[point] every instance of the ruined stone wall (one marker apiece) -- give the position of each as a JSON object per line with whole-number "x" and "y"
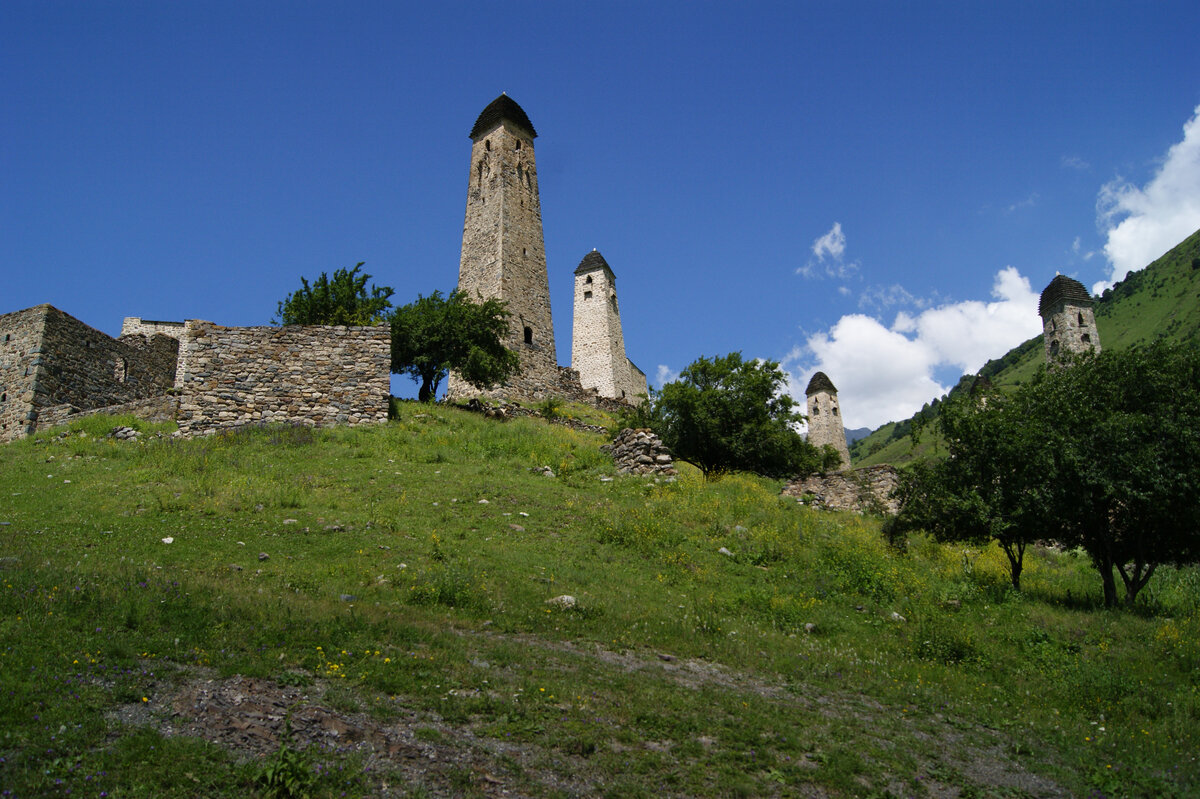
{"x": 20, "y": 347}
{"x": 310, "y": 374}
{"x": 825, "y": 424}
{"x": 866, "y": 490}
{"x": 153, "y": 409}
{"x": 503, "y": 253}
{"x": 52, "y": 359}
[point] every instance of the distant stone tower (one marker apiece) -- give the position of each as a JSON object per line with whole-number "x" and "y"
{"x": 503, "y": 254}
{"x": 1068, "y": 324}
{"x": 597, "y": 344}
{"x": 824, "y": 418}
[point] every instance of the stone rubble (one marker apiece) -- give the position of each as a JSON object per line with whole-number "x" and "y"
{"x": 640, "y": 451}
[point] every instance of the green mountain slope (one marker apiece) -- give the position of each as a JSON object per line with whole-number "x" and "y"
{"x": 1160, "y": 301}
{"x": 416, "y": 609}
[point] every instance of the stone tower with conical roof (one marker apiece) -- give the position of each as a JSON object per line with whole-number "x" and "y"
{"x": 597, "y": 343}
{"x": 1068, "y": 324}
{"x": 825, "y": 417}
{"x": 503, "y": 254}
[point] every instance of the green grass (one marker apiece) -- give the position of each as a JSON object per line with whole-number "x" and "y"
{"x": 406, "y": 580}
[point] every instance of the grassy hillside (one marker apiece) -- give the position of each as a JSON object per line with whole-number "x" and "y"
{"x": 380, "y": 612}
{"x": 1160, "y": 301}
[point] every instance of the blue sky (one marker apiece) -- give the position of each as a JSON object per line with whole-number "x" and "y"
{"x": 879, "y": 190}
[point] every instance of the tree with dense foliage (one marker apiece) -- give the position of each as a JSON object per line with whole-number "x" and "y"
{"x": 342, "y": 300}
{"x": 1102, "y": 453}
{"x": 728, "y": 413}
{"x": 438, "y": 333}
{"x": 991, "y": 485}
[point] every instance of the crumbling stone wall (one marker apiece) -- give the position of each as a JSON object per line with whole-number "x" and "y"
{"x": 640, "y": 451}
{"x": 20, "y": 336}
{"x": 311, "y": 374}
{"x": 866, "y": 490}
{"x": 50, "y": 359}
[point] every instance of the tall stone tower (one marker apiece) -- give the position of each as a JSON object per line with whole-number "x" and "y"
{"x": 824, "y": 418}
{"x": 503, "y": 254}
{"x": 1068, "y": 324}
{"x": 597, "y": 344}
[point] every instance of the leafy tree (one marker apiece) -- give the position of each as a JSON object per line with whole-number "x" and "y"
{"x": 1123, "y": 434}
{"x": 728, "y": 413}
{"x": 1103, "y": 454}
{"x": 435, "y": 334}
{"x": 991, "y": 485}
{"x": 344, "y": 300}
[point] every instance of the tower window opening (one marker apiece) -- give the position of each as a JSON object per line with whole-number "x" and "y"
{"x": 8, "y": 336}
{"x": 587, "y": 295}
{"x": 816, "y": 409}
{"x": 1081, "y": 319}
{"x": 1086, "y": 339}
{"x": 518, "y": 145}
{"x": 529, "y": 335}
{"x": 613, "y": 300}
{"x": 4, "y": 397}
{"x": 835, "y": 411}
{"x": 589, "y": 279}
{"x": 524, "y": 251}
{"x": 487, "y": 145}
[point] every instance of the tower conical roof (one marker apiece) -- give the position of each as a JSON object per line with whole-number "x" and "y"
{"x": 503, "y": 107}
{"x": 1063, "y": 289}
{"x": 820, "y": 382}
{"x": 593, "y": 260}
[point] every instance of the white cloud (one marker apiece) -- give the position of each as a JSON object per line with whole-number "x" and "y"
{"x": 829, "y": 251}
{"x": 1028, "y": 202}
{"x": 886, "y": 374}
{"x": 1143, "y": 223}
{"x": 832, "y": 244}
{"x": 884, "y": 297}
{"x": 664, "y": 374}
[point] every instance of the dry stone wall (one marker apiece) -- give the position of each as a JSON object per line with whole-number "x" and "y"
{"x": 866, "y": 490}
{"x": 313, "y": 375}
{"x": 640, "y": 451}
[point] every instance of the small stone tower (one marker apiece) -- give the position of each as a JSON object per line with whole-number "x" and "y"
{"x": 1068, "y": 324}
{"x": 824, "y": 418}
{"x": 597, "y": 344}
{"x": 503, "y": 254}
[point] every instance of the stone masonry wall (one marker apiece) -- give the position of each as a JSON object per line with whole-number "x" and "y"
{"x": 136, "y": 326}
{"x": 20, "y": 339}
{"x": 866, "y": 490}
{"x": 314, "y": 375}
{"x": 52, "y": 359}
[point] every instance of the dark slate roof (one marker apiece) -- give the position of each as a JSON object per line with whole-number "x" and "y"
{"x": 593, "y": 260}
{"x": 820, "y": 382}
{"x": 1063, "y": 289}
{"x": 503, "y": 107}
